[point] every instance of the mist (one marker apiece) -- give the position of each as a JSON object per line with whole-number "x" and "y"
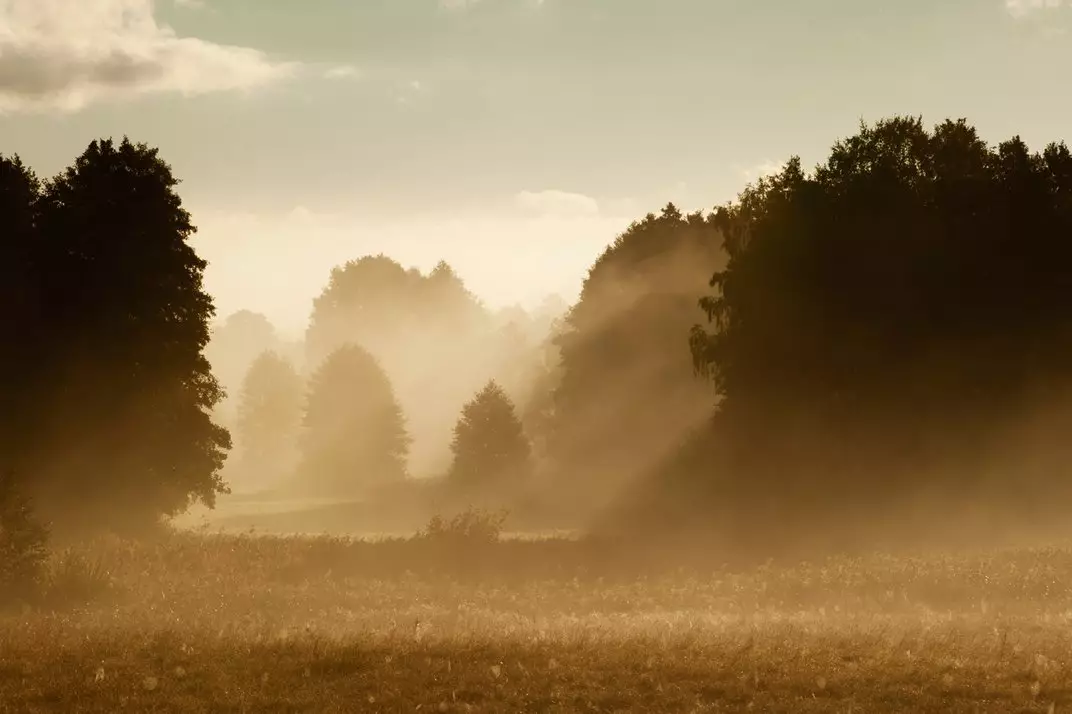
{"x": 342, "y": 411}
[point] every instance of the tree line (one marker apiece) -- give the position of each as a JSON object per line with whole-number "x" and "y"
{"x": 886, "y": 338}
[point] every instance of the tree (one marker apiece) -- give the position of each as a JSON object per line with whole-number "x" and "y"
{"x": 626, "y": 395}
{"x": 235, "y": 343}
{"x": 401, "y": 316}
{"x": 123, "y": 428}
{"x": 885, "y": 324}
{"x": 491, "y": 452}
{"x": 355, "y": 432}
{"x": 368, "y": 301}
{"x": 269, "y": 417}
{"x": 19, "y": 195}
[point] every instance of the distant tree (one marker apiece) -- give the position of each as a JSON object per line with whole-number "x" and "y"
{"x": 269, "y": 418}
{"x": 884, "y": 326}
{"x": 625, "y": 393}
{"x": 401, "y": 316}
{"x": 445, "y": 293}
{"x": 355, "y": 432}
{"x": 235, "y": 343}
{"x": 122, "y": 321}
{"x": 366, "y": 301}
{"x": 491, "y": 452}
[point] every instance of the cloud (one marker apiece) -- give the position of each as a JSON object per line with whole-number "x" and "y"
{"x": 65, "y": 55}
{"x": 191, "y": 4}
{"x": 557, "y": 203}
{"x": 1019, "y": 8}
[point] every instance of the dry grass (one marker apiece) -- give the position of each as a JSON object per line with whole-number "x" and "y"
{"x": 199, "y": 622}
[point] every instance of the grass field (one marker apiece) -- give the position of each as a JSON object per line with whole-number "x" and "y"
{"x": 200, "y": 622}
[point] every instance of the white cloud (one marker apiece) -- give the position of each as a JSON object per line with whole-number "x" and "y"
{"x": 557, "y": 203}
{"x": 1019, "y": 8}
{"x": 191, "y": 4}
{"x": 65, "y": 55}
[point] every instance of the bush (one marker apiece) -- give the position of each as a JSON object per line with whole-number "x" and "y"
{"x": 470, "y": 527}
{"x": 23, "y": 545}
{"x": 74, "y": 579}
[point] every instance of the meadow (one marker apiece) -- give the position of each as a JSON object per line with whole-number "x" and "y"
{"x": 207, "y": 622}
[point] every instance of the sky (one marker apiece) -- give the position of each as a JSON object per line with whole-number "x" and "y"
{"x": 513, "y": 138}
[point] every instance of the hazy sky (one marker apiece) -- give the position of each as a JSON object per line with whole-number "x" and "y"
{"x": 514, "y": 138}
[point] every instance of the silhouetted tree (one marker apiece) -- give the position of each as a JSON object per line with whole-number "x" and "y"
{"x": 122, "y": 319}
{"x": 626, "y": 395}
{"x": 19, "y": 298}
{"x": 491, "y": 452}
{"x": 883, "y": 323}
{"x": 269, "y": 417}
{"x": 355, "y": 432}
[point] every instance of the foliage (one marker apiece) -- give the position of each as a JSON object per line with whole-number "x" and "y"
{"x": 490, "y": 448}
{"x": 470, "y": 527}
{"x": 23, "y": 544}
{"x": 269, "y": 417}
{"x": 355, "y": 432}
{"x": 883, "y": 320}
{"x": 119, "y": 385}
{"x": 20, "y": 192}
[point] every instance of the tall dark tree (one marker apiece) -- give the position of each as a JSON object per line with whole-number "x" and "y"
{"x": 269, "y": 418}
{"x": 491, "y": 452}
{"x": 355, "y": 432}
{"x": 19, "y": 194}
{"x": 885, "y": 323}
{"x": 123, "y": 319}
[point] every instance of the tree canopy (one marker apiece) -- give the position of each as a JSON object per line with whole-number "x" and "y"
{"x": 884, "y": 320}
{"x": 115, "y": 326}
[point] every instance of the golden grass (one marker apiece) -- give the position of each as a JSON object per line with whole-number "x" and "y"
{"x": 199, "y": 622}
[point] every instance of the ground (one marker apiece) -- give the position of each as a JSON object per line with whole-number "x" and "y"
{"x": 211, "y": 622}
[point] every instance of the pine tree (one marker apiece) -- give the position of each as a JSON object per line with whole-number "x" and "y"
{"x": 491, "y": 452}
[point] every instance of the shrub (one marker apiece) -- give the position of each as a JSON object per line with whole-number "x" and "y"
{"x": 470, "y": 527}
